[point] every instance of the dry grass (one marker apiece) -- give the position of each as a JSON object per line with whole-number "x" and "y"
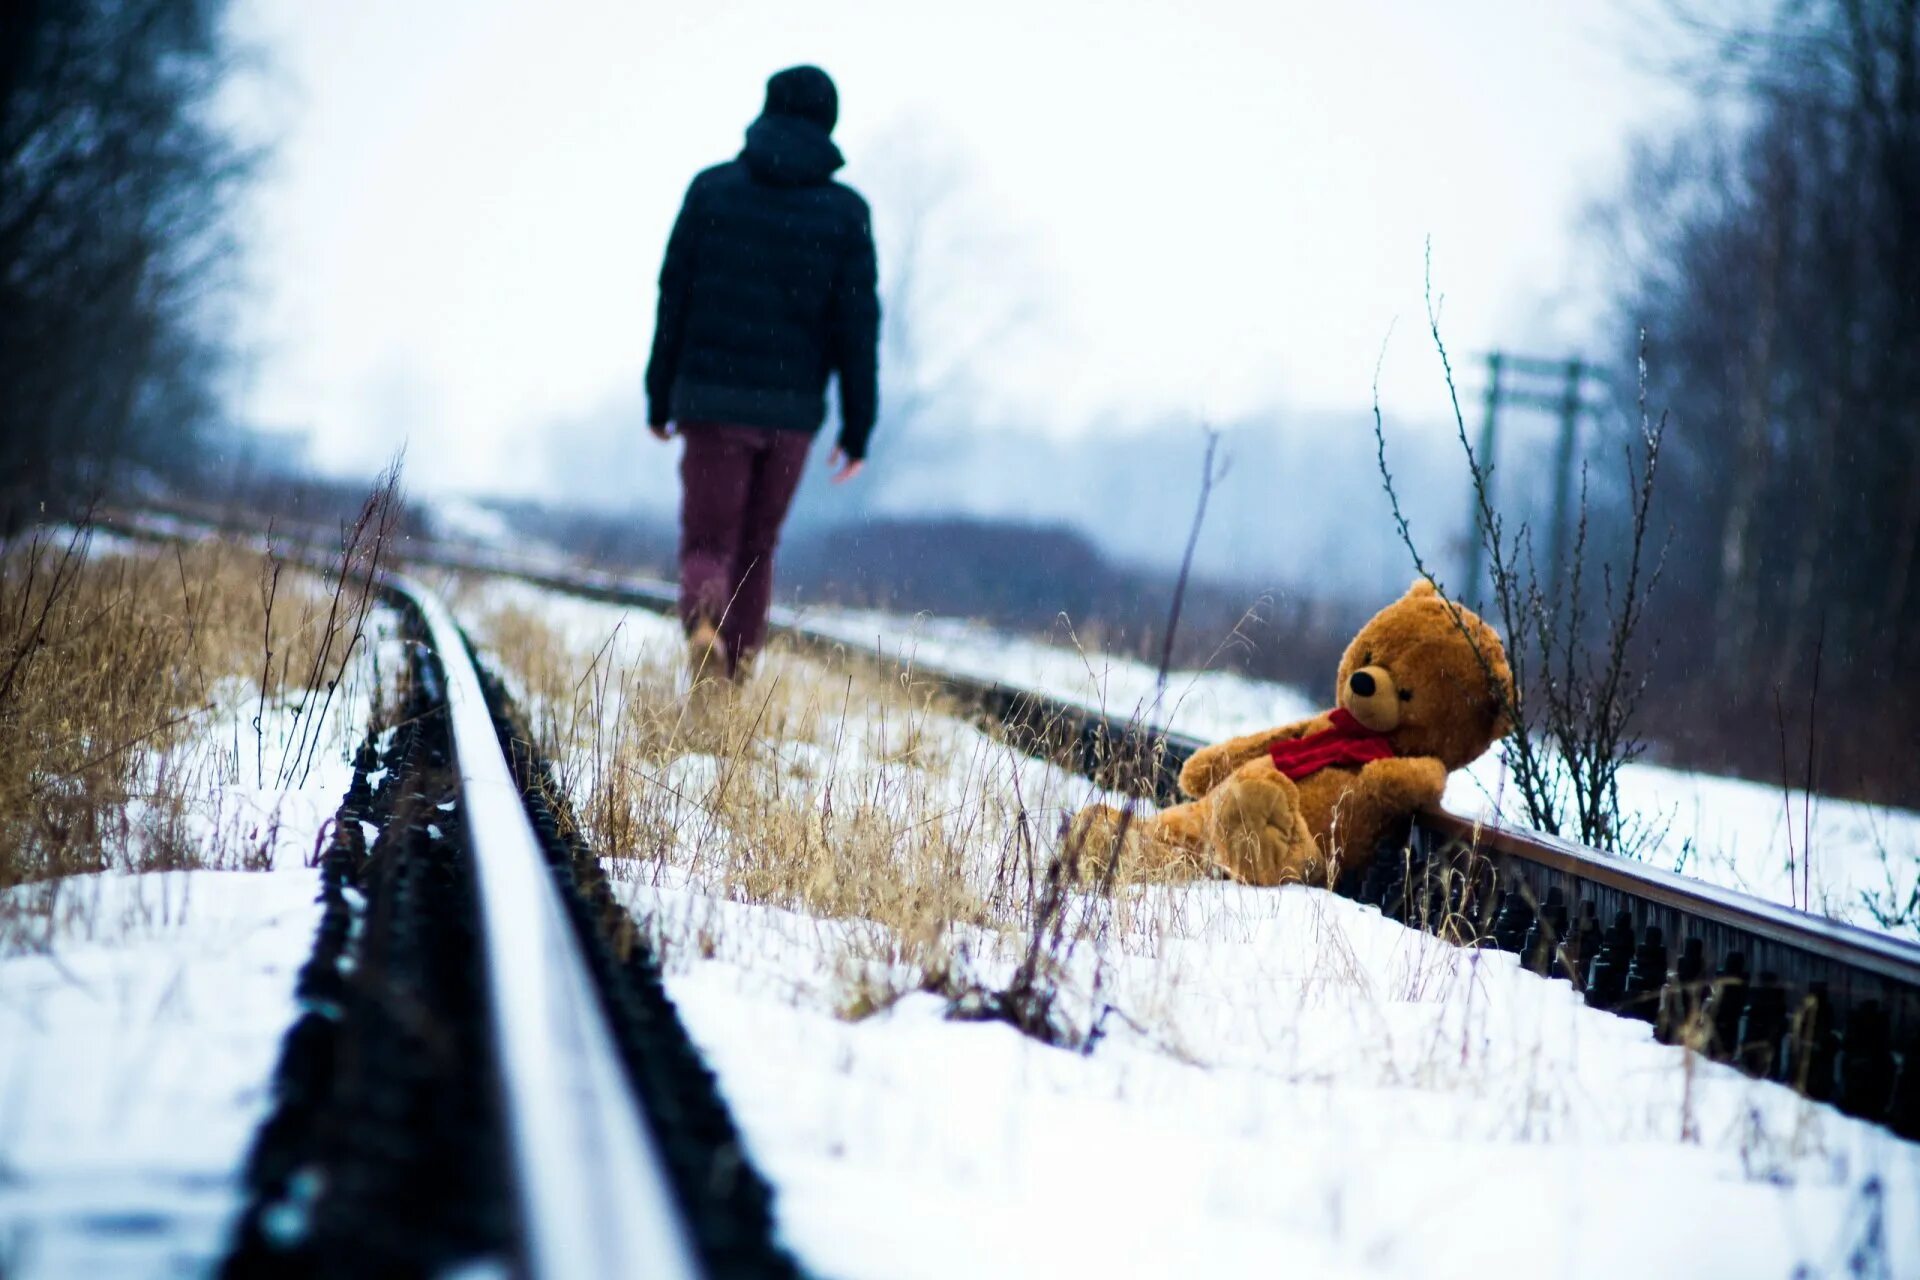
{"x": 912, "y": 854}
{"x": 905, "y": 853}
{"x": 139, "y": 687}
{"x": 828, "y": 787}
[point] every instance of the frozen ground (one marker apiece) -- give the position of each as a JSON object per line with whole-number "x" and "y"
{"x": 1288, "y": 1082}
{"x": 141, "y": 1015}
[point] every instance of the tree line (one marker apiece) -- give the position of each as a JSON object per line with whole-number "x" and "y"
{"x": 1775, "y": 272}
{"x": 116, "y": 180}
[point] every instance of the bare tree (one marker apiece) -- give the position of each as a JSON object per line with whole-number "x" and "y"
{"x": 1773, "y": 261}
{"x": 114, "y": 179}
{"x": 939, "y": 328}
{"x": 1573, "y": 646}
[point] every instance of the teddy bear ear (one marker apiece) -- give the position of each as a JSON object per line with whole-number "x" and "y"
{"x": 1421, "y": 588}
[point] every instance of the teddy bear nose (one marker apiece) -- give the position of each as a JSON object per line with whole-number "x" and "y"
{"x": 1361, "y": 683}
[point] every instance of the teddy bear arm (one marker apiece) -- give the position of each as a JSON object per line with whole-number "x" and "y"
{"x": 1406, "y": 782}
{"x": 1208, "y": 767}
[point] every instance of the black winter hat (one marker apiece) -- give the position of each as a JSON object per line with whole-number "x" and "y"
{"x": 806, "y": 92}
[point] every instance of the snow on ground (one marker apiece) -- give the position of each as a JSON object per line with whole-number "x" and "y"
{"x": 134, "y": 1065}
{"x": 1205, "y": 704}
{"x": 1310, "y": 1124}
{"x": 141, "y": 1015}
{"x": 1743, "y": 835}
{"x": 1292, "y": 1084}
{"x": 466, "y": 519}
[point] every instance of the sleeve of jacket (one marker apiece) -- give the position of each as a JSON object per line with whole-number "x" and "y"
{"x": 676, "y": 275}
{"x": 856, "y": 336}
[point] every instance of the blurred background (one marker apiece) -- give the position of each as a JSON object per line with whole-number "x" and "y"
{"x": 251, "y": 250}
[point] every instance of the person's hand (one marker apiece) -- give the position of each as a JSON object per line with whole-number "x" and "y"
{"x": 844, "y": 468}
{"x": 663, "y": 432}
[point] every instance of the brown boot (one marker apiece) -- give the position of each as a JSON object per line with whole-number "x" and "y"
{"x": 706, "y": 652}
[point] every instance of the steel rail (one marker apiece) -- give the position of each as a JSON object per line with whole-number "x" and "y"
{"x": 1859, "y": 948}
{"x": 1863, "y": 987}
{"x": 1155, "y": 756}
{"x": 593, "y": 1192}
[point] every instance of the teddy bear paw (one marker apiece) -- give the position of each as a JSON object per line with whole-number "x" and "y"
{"x": 1142, "y": 846}
{"x": 1094, "y": 840}
{"x": 1258, "y": 833}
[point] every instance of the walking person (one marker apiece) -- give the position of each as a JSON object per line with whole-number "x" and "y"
{"x": 768, "y": 289}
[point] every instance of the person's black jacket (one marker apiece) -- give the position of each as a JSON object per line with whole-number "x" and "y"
{"x": 768, "y": 287}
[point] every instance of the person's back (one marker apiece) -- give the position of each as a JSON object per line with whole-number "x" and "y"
{"x": 768, "y": 288}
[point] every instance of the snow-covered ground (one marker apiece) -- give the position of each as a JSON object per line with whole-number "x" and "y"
{"x": 1743, "y": 835}
{"x": 459, "y": 518}
{"x": 141, "y": 1014}
{"x": 1204, "y": 704}
{"x": 1290, "y": 1084}
{"x": 134, "y": 1065}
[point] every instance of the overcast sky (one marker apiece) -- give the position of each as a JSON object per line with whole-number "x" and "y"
{"x": 1207, "y": 208}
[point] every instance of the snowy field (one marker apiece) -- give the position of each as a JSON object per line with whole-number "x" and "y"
{"x": 142, "y": 1013}
{"x": 134, "y": 1064}
{"x": 1286, "y": 1081}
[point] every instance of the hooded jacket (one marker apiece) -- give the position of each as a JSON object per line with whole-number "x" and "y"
{"x": 768, "y": 287}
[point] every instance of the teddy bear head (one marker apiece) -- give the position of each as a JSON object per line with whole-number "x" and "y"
{"x": 1431, "y": 675}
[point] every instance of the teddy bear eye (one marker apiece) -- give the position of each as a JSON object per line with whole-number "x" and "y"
{"x": 1366, "y": 659}
{"x": 1406, "y": 695}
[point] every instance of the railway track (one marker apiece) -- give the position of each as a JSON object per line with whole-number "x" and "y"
{"x": 1826, "y": 1008}
{"x": 1830, "y": 1010}
{"x": 487, "y": 1072}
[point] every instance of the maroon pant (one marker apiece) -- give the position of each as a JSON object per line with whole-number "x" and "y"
{"x": 735, "y": 486}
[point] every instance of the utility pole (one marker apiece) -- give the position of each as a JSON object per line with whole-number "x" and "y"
{"x": 1524, "y": 381}
{"x": 1475, "y": 543}
{"x": 1563, "y": 469}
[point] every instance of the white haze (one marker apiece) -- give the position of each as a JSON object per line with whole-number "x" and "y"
{"x": 1135, "y": 220}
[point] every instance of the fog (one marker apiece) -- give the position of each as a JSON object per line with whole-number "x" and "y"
{"x": 1098, "y": 231}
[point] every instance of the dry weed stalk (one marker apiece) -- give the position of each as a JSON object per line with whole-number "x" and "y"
{"x": 832, "y": 787}
{"x": 1576, "y": 675}
{"x": 114, "y": 667}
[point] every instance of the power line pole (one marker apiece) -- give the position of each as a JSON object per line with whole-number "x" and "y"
{"x": 1523, "y": 381}
{"x": 1563, "y": 469}
{"x": 1475, "y": 547}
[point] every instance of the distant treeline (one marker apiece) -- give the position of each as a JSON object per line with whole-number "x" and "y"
{"x": 1775, "y": 269}
{"x": 115, "y": 182}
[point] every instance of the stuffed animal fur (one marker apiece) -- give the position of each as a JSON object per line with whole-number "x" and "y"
{"x": 1423, "y": 689}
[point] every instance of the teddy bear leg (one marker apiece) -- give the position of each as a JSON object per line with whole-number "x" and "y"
{"x": 1256, "y": 831}
{"x": 1168, "y": 845}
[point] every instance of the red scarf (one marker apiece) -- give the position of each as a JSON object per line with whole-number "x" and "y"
{"x": 1348, "y": 742}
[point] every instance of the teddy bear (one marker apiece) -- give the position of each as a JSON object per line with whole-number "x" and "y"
{"x": 1423, "y": 689}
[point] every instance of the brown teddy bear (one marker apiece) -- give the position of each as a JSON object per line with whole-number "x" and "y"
{"x": 1423, "y": 689}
